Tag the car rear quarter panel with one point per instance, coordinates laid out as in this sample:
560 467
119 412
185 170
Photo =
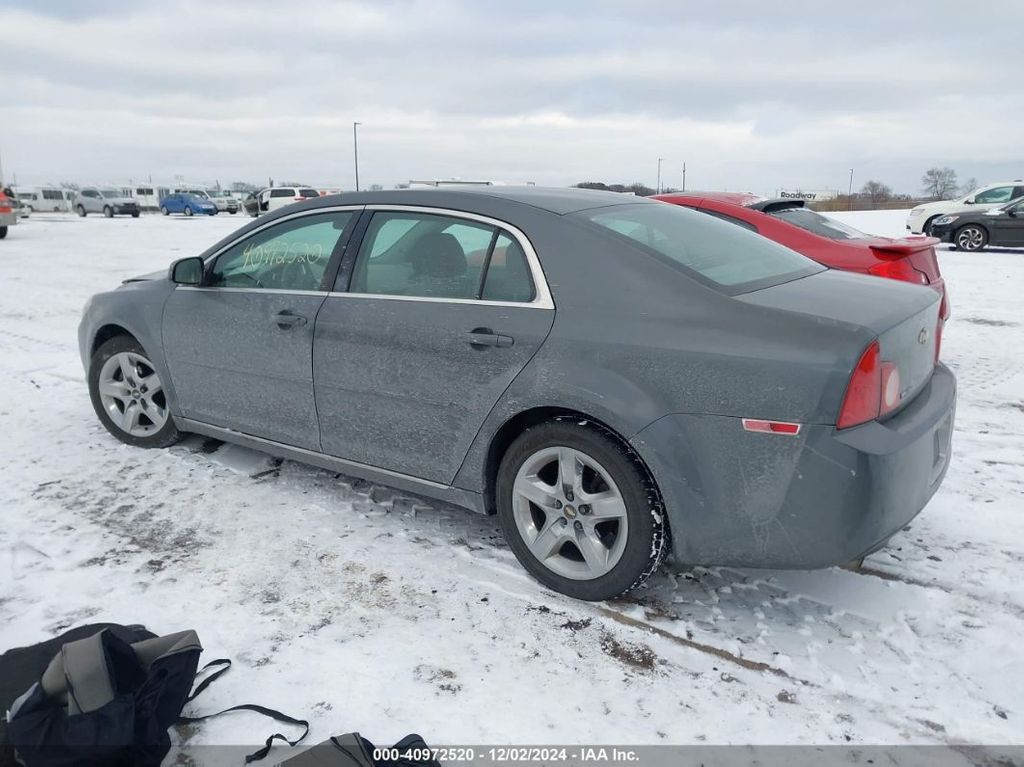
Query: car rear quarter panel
634 339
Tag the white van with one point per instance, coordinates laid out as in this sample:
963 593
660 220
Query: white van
43 199
148 196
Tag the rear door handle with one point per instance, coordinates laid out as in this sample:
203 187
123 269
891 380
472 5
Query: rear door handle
480 338
288 319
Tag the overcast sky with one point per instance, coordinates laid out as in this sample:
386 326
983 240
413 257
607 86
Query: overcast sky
756 96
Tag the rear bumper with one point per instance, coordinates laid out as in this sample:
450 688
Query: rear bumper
821 498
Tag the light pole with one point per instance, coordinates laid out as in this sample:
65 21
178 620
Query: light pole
659 174
849 193
684 178
355 150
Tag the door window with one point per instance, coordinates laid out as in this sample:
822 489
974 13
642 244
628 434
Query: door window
421 254
999 194
292 255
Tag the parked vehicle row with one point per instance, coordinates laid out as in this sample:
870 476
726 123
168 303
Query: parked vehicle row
987 197
974 230
613 376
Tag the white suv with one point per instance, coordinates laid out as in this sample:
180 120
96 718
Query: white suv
985 198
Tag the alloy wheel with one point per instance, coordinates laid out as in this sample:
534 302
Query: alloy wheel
970 238
570 513
132 395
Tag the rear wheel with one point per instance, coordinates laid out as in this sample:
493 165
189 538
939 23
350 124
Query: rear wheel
188 211
81 210
580 511
3 232
135 214
128 395
971 237
163 209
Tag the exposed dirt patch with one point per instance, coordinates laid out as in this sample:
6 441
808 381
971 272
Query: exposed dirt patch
638 656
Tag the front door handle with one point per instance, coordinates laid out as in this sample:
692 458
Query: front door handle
288 319
480 338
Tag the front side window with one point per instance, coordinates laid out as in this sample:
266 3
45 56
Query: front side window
999 194
434 256
815 223
727 257
292 255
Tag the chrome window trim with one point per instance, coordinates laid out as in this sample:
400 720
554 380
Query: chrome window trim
542 299
267 291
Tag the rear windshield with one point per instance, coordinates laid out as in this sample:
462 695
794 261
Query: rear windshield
718 253
818 224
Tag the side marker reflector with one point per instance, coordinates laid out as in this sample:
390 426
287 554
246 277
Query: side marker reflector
771 427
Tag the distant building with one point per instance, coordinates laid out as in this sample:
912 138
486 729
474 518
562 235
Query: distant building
811 195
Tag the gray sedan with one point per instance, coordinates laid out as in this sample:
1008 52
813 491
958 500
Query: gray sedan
616 378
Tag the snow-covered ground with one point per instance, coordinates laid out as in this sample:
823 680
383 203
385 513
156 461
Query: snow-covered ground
365 609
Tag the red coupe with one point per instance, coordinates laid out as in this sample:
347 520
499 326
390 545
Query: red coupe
825 240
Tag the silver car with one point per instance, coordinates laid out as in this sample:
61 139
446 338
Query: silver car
109 202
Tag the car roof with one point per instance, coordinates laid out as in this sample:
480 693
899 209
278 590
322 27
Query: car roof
557 200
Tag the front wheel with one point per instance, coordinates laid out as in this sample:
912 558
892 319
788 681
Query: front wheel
232 212
128 395
108 211
580 511
3 232
135 214
927 228
971 237
188 211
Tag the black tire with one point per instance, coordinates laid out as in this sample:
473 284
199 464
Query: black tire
188 211
135 214
81 211
232 212
3 232
927 228
970 238
648 534
165 437
108 212
163 209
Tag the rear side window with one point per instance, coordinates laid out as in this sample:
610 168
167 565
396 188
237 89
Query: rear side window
308 193
434 256
508 273
282 193
725 256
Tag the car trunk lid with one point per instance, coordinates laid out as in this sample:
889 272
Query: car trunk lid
903 318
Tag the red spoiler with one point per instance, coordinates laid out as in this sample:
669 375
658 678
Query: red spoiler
904 246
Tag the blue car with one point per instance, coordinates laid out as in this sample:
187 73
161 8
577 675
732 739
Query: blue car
189 204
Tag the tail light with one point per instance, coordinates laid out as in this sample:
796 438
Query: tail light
873 391
298 198
899 269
